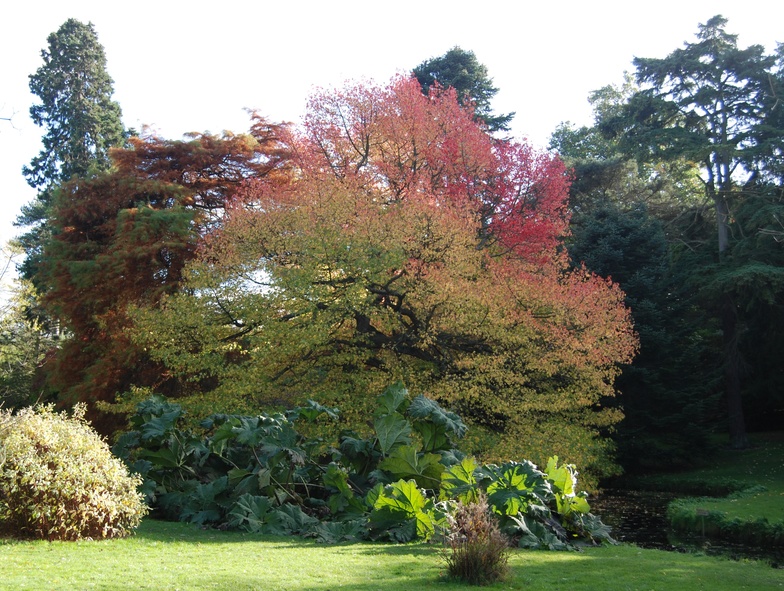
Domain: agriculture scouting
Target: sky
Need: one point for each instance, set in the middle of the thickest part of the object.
(188, 66)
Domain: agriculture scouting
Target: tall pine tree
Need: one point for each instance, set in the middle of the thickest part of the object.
(81, 123)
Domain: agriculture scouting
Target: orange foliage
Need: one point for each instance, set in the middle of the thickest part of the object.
(409, 244)
(124, 238)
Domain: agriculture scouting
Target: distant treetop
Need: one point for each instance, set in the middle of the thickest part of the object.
(459, 69)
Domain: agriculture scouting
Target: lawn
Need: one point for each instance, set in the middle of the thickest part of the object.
(743, 493)
(759, 467)
(181, 556)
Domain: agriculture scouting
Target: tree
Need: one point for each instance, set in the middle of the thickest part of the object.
(81, 120)
(667, 393)
(628, 223)
(708, 102)
(409, 245)
(459, 69)
(122, 238)
(24, 343)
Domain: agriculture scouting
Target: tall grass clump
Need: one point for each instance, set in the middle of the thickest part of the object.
(60, 481)
(476, 551)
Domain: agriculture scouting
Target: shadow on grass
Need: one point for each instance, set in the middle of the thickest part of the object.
(167, 531)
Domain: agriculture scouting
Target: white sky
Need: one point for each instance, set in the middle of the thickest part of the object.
(196, 66)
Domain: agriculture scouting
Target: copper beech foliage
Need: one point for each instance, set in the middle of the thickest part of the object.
(409, 244)
(124, 237)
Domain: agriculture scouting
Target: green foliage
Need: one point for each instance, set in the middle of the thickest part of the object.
(668, 392)
(459, 69)
(513, 487)
(81, 123)
(392, 430)
(59, 481)
(459, 482)
(81, 119)
(406, 462)
(564, 480)
(24, 342)
(717, 105)
(264, 475)
(541, 509)
(476, 551)
(433, 255)
(402, 513)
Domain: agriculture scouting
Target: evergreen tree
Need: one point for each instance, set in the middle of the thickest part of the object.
(459, 69)
(627, 220)
(81, 123)
(713, 103)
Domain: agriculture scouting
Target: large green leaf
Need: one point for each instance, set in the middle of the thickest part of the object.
(250, 512)
(459, 483)
(291, 519)
(311, 411)
(204, 504)
(405, 463)
(344, 500)
(533, 534)
(514, 486)
(332, 532)
(423, 410)
(564, 482)
(157, 427)
(434, 437)
(563, 478)
(401, 512)
(391, 399)
(392, 430)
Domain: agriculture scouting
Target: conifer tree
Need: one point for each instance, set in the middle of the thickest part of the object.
(459, 69)
(80, 120)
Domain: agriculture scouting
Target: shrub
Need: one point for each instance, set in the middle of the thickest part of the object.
(59, 480)
(476, 550)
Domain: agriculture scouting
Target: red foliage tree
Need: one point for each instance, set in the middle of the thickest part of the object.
(124, 237)
(409, 245)
(402, 144)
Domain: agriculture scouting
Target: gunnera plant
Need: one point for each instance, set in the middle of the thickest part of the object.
(476, 552)
(60, 481)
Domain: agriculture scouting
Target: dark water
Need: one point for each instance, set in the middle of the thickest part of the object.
(641, 518)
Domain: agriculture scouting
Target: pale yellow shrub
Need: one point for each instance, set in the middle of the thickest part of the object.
(60, 481)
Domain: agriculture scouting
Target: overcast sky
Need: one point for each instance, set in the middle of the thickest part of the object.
(197, 66)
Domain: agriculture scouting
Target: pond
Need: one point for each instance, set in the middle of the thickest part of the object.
(640, 518)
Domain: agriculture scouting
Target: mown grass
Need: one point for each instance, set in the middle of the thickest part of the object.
(180, 556)
(739, 493)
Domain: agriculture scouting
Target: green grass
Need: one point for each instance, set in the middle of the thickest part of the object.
(751, 488)
(180, 556)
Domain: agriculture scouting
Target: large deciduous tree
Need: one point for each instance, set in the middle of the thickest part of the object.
(710, 102)
(123, 238)
(81, 122)
(408, 245)
(459, 69)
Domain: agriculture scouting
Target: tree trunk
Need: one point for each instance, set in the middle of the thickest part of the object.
(722, 222)
(737, 422)
(729, 323)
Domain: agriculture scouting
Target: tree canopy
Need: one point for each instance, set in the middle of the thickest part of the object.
(715, 104)
(123, 237)
(408, 244)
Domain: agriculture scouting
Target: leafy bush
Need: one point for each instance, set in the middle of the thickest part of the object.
(398, 483)
(59, 480)
(477, 551)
